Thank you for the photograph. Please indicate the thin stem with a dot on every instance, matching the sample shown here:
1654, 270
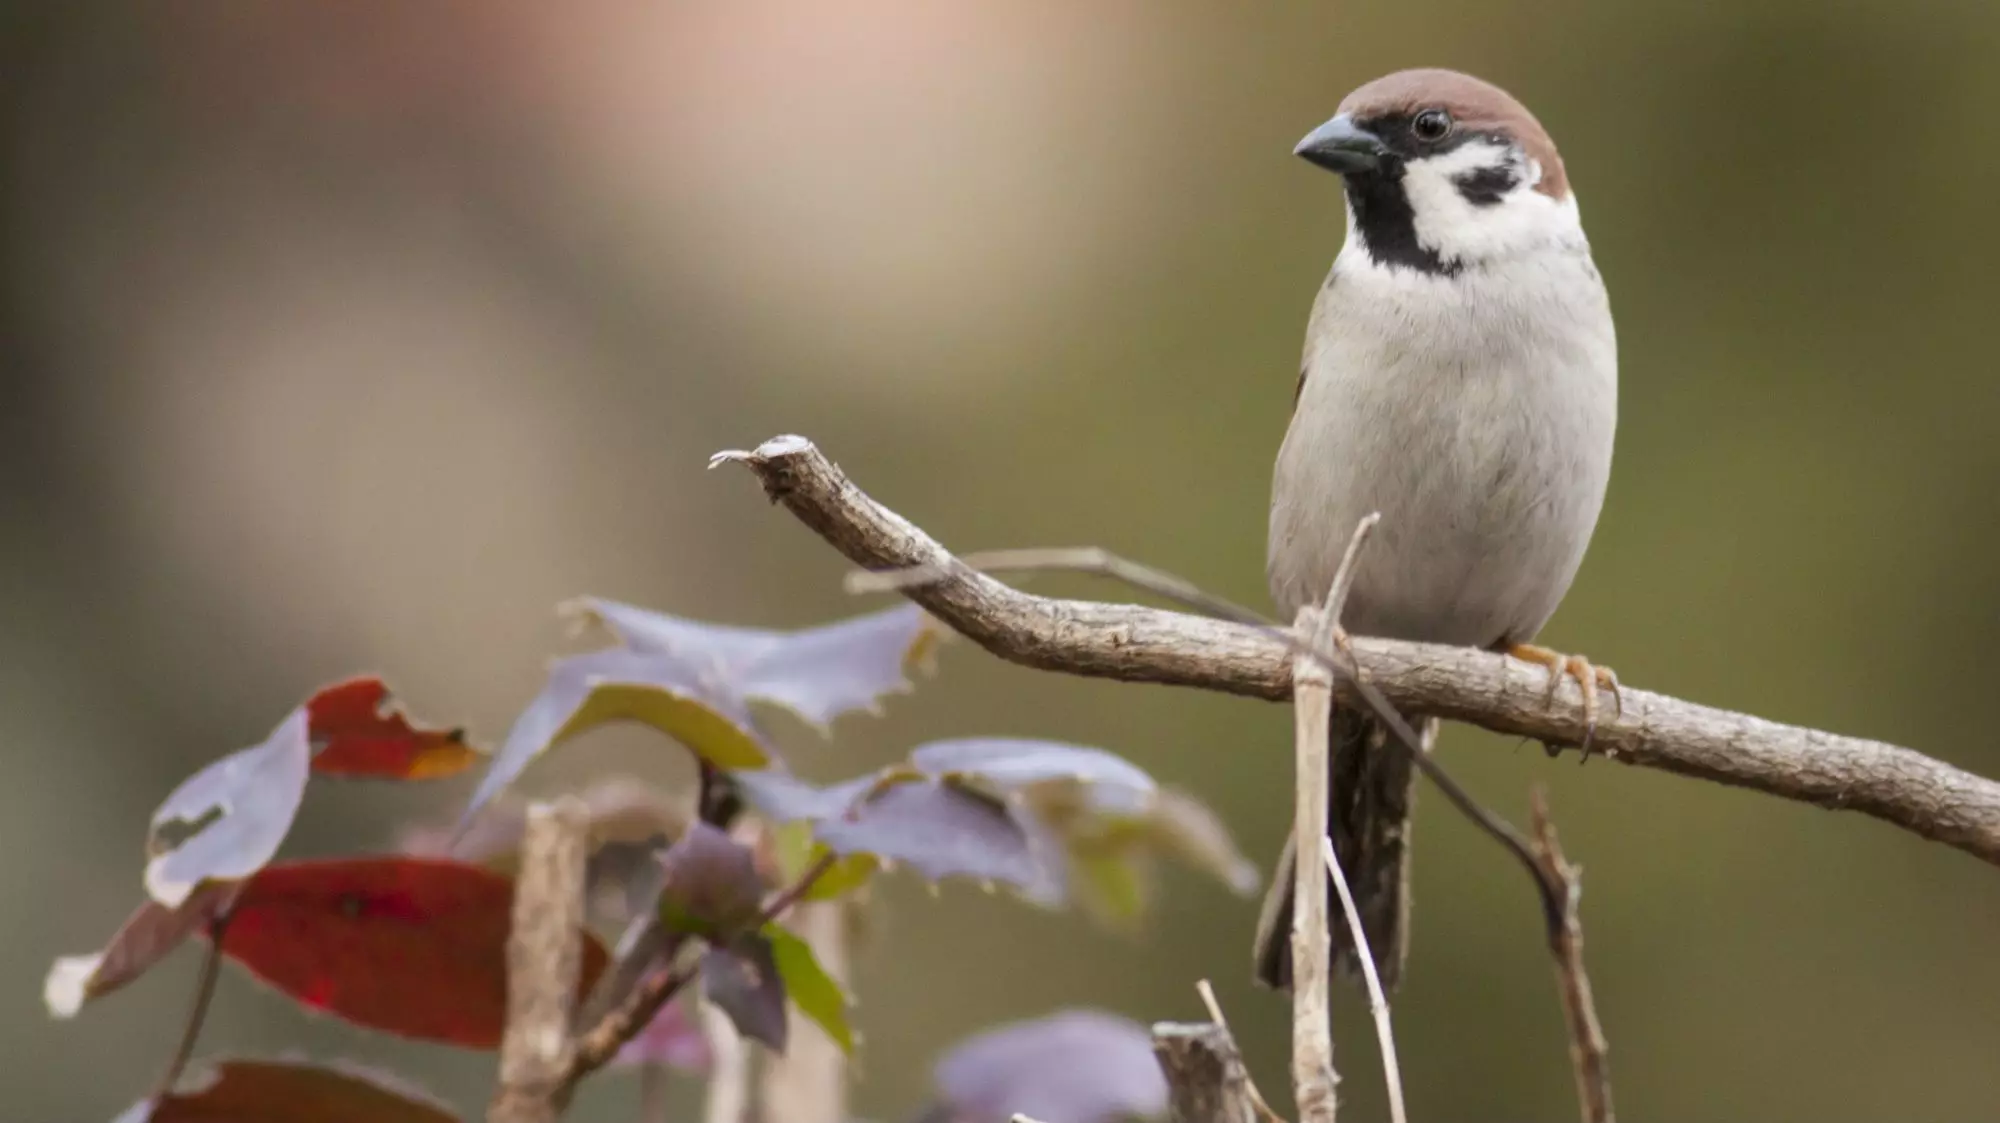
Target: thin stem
1378, 1000
204, 992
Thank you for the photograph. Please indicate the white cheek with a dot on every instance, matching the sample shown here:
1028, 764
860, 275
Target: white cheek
1452, 226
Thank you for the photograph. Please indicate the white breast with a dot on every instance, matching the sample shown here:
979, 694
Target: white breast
1476, 412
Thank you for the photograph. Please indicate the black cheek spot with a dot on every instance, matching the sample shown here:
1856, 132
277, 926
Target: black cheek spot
1485, 187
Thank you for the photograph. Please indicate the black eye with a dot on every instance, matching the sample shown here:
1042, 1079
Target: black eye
1432, 125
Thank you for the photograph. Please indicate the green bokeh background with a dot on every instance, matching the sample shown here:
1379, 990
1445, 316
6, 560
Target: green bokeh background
355, 336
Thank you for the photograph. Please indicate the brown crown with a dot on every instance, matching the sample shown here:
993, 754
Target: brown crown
1472, 103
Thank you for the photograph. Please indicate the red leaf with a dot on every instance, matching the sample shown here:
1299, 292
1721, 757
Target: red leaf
358, 731
242, 1091
151, 933
411, 946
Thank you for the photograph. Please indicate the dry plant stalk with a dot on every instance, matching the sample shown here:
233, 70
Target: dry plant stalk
1314, 1079
544, 957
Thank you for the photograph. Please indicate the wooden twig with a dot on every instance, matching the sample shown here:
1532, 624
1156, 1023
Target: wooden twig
1378, 1000
544, 956
1314, 1079
1215, 1014
1587, 1047
1139, 644
1206, 1079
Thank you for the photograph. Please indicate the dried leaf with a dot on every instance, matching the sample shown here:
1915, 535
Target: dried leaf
817, 673
666, 692
1076, 1066
672, 1039
225, 821
357, 732
410, 946
149, 935
256, 1091
817, 995
711, 887
742, 980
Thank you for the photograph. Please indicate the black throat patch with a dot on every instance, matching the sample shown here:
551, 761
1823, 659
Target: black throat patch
1383, 217
1387, 225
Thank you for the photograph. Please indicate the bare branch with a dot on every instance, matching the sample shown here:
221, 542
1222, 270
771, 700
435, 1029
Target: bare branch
1378, 1001
1587, 1047
1138, 644
544, 957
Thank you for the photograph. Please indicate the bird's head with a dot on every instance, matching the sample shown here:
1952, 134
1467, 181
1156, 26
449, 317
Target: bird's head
1444, 172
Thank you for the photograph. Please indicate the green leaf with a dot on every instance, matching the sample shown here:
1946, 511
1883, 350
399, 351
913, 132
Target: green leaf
817, 995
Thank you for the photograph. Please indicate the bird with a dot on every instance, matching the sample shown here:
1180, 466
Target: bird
1460, 377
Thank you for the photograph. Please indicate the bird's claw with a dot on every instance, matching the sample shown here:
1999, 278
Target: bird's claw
1589, 678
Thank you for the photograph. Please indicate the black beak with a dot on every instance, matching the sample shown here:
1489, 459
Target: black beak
1342, 147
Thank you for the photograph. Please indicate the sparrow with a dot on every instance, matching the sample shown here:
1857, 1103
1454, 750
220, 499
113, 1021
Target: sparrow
1460, 377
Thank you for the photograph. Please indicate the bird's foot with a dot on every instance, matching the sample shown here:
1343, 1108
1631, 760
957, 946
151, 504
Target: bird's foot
1589, 677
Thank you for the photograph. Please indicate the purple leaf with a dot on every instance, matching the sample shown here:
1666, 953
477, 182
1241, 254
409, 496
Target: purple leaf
667, 692
1076, 1066
225, 821
742, 980
818, 673
1108, 784
942, 829
711, 886
1111, 816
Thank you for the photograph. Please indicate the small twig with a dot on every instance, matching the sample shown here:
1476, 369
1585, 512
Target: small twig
1378, 1000
544, 958
1314, 1079
204, 992
1215, 1015
1588, 1049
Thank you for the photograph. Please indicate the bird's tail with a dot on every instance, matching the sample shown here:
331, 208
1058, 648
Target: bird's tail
1372, 788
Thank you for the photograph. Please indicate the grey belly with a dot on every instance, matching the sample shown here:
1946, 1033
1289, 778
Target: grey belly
1484, 520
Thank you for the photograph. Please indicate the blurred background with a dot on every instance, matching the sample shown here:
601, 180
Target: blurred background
339, 337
